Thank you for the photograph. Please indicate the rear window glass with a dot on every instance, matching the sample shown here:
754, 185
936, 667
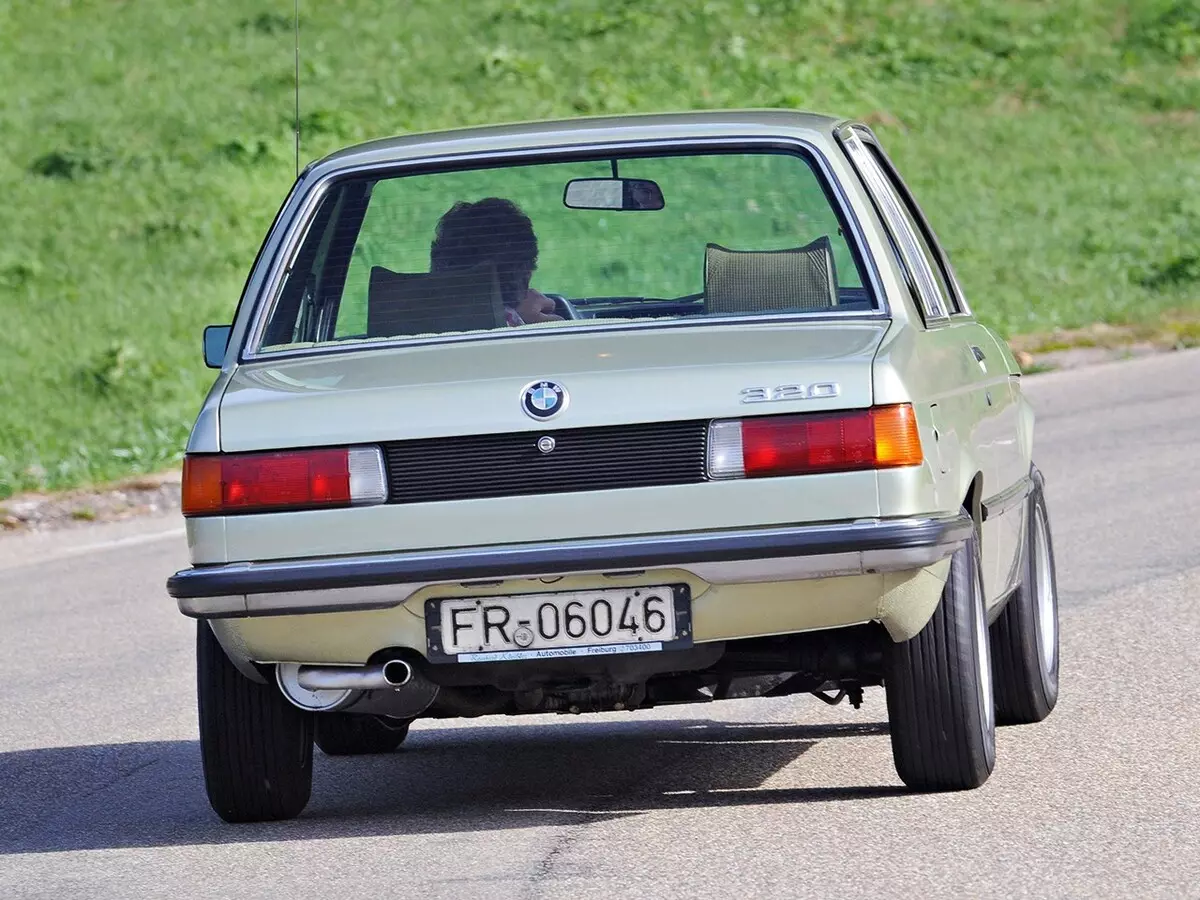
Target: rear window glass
639, 240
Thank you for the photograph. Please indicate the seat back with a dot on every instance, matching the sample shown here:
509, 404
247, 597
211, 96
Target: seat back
402, 303
744, 281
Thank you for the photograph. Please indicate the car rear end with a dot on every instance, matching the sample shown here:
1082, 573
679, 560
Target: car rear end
668, 484
374, 518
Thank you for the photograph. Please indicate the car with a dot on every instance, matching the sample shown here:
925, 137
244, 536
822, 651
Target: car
744, 438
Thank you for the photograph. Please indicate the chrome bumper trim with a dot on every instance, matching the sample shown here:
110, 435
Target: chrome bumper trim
788, 553
1007, 499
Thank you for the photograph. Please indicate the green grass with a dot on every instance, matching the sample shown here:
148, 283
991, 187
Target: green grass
146, 147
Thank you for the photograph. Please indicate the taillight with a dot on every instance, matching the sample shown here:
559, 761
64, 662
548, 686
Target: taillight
882, 437
221, 484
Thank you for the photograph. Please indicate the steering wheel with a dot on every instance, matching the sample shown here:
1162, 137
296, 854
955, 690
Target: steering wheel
564, 307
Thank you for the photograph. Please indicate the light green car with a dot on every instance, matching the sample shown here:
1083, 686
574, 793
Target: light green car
608, 414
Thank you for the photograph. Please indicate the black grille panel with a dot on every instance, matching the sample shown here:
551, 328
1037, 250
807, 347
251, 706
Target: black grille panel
510, 465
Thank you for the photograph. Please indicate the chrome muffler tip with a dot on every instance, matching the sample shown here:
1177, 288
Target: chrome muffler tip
323, 688
397, 673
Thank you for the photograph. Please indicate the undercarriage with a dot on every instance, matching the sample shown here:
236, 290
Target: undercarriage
400, 684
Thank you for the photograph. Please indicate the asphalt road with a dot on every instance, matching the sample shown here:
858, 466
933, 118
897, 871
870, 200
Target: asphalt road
101, 793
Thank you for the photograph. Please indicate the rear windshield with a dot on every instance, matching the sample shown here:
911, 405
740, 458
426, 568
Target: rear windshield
517, 249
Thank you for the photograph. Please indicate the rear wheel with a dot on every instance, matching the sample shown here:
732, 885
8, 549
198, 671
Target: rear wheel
939, 689
347, 734
1025, 637
256, 747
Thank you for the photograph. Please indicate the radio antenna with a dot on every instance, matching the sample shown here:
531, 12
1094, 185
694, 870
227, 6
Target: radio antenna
296, 18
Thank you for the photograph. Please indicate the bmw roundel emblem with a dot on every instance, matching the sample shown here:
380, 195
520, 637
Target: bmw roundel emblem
543, 399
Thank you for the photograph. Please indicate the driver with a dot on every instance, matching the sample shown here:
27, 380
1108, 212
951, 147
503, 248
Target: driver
496, 231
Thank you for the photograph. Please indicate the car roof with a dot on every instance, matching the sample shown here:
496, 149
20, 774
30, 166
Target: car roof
583, 131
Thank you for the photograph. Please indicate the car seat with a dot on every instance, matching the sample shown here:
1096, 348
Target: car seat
403, 303
749, 281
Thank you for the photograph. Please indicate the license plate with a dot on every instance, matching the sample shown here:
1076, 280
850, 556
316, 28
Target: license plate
559, 624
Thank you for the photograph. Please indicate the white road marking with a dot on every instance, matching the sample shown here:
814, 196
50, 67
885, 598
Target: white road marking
130, 541
26, 556
739, 742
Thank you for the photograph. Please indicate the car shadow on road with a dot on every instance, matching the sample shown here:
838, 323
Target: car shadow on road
444, 780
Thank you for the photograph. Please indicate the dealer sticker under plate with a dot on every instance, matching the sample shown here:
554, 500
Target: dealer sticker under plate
553, 625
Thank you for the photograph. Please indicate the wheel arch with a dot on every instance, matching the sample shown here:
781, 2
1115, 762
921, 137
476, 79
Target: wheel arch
235, 648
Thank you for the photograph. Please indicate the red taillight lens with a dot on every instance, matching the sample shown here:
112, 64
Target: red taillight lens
796, 445
319, 477
876, 438
303, 479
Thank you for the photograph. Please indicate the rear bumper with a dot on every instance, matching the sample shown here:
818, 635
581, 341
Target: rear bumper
381, 581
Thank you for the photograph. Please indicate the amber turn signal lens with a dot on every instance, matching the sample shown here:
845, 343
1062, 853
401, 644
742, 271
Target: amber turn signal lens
897, 442
201, 492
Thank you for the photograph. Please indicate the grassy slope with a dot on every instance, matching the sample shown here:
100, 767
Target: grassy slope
144, 148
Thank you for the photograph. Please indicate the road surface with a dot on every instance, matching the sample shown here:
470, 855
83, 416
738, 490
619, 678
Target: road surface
101, 792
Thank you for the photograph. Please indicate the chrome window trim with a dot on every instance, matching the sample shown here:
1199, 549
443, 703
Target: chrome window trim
884, 196
247, 302
957, 296
284, 258
964, 308
954, 287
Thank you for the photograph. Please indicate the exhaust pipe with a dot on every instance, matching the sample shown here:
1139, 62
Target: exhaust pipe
395, 673
394, 688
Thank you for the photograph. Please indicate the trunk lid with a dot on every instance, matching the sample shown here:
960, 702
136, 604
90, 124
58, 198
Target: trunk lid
612, 378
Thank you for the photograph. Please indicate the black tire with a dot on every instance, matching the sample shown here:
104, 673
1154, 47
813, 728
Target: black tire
347, 734
1025, 636
939, 689
256, 747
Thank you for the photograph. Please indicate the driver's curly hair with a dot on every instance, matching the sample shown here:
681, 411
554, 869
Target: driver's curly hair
491, 230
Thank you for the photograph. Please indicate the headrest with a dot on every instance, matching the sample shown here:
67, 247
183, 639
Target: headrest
741, 281
400, 303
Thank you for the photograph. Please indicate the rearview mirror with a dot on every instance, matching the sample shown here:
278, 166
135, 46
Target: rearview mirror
613, 193
216, 341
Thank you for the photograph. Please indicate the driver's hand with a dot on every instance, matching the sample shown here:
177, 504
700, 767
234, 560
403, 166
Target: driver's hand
537, 307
